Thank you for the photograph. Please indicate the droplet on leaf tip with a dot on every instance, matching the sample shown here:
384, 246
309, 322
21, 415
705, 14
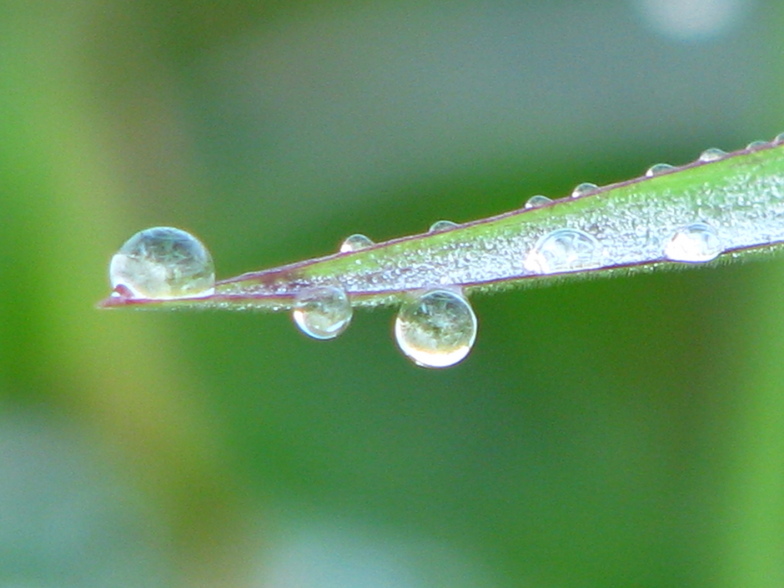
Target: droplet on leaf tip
162, 263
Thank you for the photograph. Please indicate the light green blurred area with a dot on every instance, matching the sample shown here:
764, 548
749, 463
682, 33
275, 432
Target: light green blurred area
605, 433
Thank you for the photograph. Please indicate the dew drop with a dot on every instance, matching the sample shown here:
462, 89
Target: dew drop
436, 329
754, 145
442, 225
583, 189
162, 263
712, 154
355, 243
322, 312
563, 250
659, 168
694, 243
537, 201
778, 139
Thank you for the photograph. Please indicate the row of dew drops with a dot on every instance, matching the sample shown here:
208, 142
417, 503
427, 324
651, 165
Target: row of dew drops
434, 328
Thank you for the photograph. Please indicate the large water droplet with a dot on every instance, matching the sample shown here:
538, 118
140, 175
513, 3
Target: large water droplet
659, 168
537, 201
563, 250
355, 243
583, 189
162, 263
694, 243
322, 312
442, 225
436, 329
712, 154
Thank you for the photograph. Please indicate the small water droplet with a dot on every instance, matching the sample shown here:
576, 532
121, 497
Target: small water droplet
322, 312
355, 243
442, 225
778, 139
563, 250
659, 168
537, 201
754, 145
583, 189
712, 154
436, 329
694, 243
162, 263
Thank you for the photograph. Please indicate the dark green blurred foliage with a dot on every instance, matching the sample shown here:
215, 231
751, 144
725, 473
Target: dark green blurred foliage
605, 433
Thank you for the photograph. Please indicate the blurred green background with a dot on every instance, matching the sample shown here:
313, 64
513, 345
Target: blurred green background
605, 433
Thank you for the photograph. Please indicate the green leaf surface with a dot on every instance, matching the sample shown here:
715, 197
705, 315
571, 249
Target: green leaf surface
734, 202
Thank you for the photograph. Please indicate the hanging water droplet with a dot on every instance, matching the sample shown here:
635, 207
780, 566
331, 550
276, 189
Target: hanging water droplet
436, 329
442, 225
537, 201
694, 243
659, 168
355, 243
563, 250
712, 154
322, 312
162, 263
583, 189
754, 145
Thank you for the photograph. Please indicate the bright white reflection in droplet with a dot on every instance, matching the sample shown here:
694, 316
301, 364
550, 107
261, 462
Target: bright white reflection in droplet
442, 225
563, 250
355, 243
322, 312
695, 243
436, 329
162, 263
691, 20
583, 189
537, 201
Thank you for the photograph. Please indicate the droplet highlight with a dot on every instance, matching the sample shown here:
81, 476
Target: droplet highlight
563, 250
712, 154
538, 201
162, 263
658, 169
355, 242
436, 329
322, 312
694, 243
583, 189
442, 225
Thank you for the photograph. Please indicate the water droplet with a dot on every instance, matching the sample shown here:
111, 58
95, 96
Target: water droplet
162, 263
355, 243
659, 168
436, 329
778, 139
694, 243
583, 189
563, 250
712, 154
537, 201
754, 145
322, 312
442, 225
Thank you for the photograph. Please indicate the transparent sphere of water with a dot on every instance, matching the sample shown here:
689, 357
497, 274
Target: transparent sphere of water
537, 201
563, 250
658, 169
355, 242
712, 154
583, 189
694, 243
442, 225
322, 312
162, 262
436, 329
